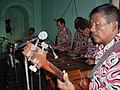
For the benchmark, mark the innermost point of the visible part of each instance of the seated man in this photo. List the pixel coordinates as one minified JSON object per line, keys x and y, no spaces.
{"x":63,"y":38}
{"x":29,"y":36}
{"x":79,"y":42}
{"x":83,"y":43}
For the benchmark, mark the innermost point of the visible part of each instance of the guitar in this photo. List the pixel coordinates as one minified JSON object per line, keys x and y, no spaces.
{"x":40,"y":61}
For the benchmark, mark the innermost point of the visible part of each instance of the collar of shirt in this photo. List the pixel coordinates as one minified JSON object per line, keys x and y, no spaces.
{"x":114,"y":40}
{"x":63,"y":30}
{"x":102,"y":49}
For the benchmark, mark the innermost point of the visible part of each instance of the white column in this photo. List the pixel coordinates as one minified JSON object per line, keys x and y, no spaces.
{"x":116,"y":3}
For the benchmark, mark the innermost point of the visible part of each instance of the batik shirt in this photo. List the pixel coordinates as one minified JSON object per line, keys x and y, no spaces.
{"x":91,"y":48}
{"x":64,"y":40}
{"x":107,"y":76}
{"x":79,"y":43}
{"x":83,"y":45}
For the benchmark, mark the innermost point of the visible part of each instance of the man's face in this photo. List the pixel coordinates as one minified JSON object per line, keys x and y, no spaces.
{"x":85,"y":32}
{"x":101,"y":30}
{"x":31,"y":31}
{"x":60,"y":26}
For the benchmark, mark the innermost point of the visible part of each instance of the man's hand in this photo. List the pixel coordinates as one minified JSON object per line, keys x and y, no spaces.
{"x":67,"y":85}
{"x":90,"y":61}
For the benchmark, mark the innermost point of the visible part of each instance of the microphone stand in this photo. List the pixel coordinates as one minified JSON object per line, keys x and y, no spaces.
{"x":26,"y":71}
{"x":31,"y":78}
{"x":39,"y":80}
{"x":15,"y":67}
{"x":11,"y":56}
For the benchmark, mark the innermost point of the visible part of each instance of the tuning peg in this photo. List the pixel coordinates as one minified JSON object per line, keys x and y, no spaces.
{"x":33,"y":68}
{"x":56,"y":57}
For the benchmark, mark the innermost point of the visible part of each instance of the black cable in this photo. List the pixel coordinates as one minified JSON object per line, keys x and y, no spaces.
{"x":66,"y":8}
{"x":75,"y":8}
{"x":51,"y":41}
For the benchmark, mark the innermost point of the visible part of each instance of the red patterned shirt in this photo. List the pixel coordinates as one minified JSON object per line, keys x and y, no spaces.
{"x":64,"y":40}
{"x":91,"y":48}
{"x":83,"y":45}
{"x":79,"y":43}
{"x":107,"y":76}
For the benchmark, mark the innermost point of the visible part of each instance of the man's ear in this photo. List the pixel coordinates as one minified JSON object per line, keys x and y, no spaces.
{"x":115,"y":25}
{"x":62,"y":24}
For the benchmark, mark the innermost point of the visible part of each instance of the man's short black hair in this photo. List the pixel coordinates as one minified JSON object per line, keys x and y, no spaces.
{"x":76,"y":24}
{"x":109,"y":12}
{"x":82,"y":23}
{"x":62,"y":21}
{"x":32,"y":28}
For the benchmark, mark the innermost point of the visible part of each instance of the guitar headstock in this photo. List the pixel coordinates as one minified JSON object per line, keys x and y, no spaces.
{"x":34,"y":56}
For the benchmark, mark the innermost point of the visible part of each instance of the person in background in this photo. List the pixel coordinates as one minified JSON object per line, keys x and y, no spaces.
{"x":30,"y":35}
{"x":83,"y":44}
{"x":105,"y":20}
{"x":89,"y":44}
{"x":79,"y":42}
{"x":63,"y":38}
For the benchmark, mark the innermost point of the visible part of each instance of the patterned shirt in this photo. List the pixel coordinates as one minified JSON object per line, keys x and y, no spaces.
{"x":79,"y":43}
{"x":83,"y":45}
{"x":107,"y":76}
{"x":91,"y":48}
{"x":64,"y":40}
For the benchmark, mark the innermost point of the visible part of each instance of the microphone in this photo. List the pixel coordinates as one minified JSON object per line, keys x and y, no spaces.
{"x":42,"y":36}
